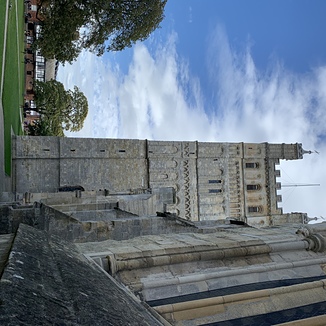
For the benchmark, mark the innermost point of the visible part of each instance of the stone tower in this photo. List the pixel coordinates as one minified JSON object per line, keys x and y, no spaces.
{"x":156,"y":233}
{"x":210,"y":181}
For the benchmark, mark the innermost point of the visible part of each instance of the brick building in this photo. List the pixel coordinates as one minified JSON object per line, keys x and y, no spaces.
{"x":36,"y":66}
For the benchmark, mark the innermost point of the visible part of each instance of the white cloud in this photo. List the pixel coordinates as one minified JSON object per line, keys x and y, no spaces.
{"x":275,"y":106}
{"x":154,"y":101}
{"x":99,"y":81}
{"x":158,"y":98}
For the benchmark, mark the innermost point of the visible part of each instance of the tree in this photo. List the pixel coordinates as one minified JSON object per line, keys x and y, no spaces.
{"x":45,"y":127}
{"x":110,"y":25}
{"x":59,"y":34}
{"x":60,"y":109}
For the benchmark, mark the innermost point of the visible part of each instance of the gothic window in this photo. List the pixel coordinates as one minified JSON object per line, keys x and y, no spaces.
{"x":255,"y":209}
{"x":253,"y":187}
{"x":214,"y":181}
{"x":252,"y":165}
{"x":214,"y":191}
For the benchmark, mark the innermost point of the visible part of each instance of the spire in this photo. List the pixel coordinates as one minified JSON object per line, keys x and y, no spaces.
{"x":309,"y":152}
{"x":306,"y":152}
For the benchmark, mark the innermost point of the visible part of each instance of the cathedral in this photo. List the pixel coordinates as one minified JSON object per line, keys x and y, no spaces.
{"x":139,"y":232}
{"x":209,"y":181}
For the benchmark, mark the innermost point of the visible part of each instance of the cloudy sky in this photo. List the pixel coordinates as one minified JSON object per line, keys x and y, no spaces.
{"x":227,"y":70}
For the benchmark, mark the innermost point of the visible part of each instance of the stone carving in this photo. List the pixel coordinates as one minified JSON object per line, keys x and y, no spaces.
{"x":317,"y":242}
{"x":186,"y":179}
{"x":186,"y":150}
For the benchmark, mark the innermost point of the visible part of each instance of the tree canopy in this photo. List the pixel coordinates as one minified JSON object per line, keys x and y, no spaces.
{"x":60,"y":109}
{"x":45,"y":127}
{"x":68,"y":26}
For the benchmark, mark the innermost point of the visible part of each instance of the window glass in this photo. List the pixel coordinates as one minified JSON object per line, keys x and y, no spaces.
{"x":253,"y":187}
{"x":214,"y":181}
{"x":252,"y":165}
{"x":214,"y":191}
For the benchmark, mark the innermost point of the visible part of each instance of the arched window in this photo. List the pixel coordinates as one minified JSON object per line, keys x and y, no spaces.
{"x":252,"y":165}
{"x":214,"y":181}
{"x":253,"y":187}
{"x":255,"y":209}
{"x":214,"y":191}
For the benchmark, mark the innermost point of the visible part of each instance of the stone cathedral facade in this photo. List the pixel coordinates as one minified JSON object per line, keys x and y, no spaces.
{"x":138,"y":232}
{"x":209,"y":181}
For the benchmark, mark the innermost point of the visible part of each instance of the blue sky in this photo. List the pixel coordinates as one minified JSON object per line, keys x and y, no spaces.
{"x":228,"y":70}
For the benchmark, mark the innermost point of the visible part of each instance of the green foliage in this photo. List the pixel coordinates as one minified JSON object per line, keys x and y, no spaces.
{"x":45,"y":127}
{"x":60,"y":109}
{"x":58,"y":38}
{"x":108,"y":25}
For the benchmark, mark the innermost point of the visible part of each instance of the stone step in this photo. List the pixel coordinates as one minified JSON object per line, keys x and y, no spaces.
{"x":5,"y":246}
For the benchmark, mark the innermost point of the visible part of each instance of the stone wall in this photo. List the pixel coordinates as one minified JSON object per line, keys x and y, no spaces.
{"x":118,"y":225}
{"x":212,"y":181}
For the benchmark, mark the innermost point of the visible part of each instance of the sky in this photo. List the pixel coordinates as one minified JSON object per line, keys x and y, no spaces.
{"x":225,"y":71}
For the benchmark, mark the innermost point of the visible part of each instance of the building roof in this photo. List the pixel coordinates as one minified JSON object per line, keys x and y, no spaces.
{"x":48,"y":282}
{"x":227,"y":273}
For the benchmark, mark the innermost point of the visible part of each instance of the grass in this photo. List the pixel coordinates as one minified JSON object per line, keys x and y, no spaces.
{"x":2,"y":29}
{"x":13,"y":86}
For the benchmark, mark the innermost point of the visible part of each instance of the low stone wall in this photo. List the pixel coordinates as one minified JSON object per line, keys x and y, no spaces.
{"x":12,"y":215}
{"x":123,"y":227}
